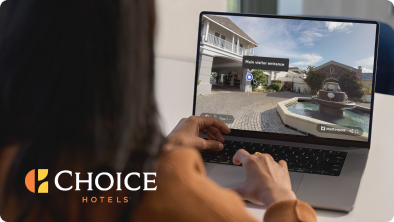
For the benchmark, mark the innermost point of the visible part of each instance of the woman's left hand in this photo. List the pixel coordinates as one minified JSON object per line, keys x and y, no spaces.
{"x":186,"y":133}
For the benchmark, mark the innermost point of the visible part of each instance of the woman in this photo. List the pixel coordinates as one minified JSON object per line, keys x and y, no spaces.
{"x":76,"y":93}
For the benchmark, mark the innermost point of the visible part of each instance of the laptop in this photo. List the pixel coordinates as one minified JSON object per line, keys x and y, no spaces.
{"x":298,"y":88}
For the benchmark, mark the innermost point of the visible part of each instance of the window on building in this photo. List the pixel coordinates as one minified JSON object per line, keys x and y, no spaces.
{"x":332,"y":70}
{"x":217,"y":34}
{"x":223,"y":37}
{"x":240,"y":45}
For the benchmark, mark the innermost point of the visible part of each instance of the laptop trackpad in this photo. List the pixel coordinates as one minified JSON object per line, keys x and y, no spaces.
{"x":234,"y":176}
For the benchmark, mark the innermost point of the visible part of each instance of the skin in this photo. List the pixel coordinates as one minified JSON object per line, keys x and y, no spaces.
{"x":266,"y":182}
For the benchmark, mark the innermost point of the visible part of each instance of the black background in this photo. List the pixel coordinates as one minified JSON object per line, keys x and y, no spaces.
{"x":284,"y":68}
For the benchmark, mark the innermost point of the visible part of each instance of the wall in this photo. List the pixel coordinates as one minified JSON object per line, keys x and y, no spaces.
{"x":289,"y":7}
{"x":302,"y":86}
{"x":380,"y":10}
{"x":175,"y":49}
{"x":259,"y":6}
{"x":296,"y":75}
{"x":177,"y":26}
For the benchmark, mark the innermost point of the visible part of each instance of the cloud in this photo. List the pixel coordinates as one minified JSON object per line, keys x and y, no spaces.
{"x":309,"y":37}
{"x":366,"y":62}
{"x":338,"y":26}
{"x":307,"y":60}
{"x":284,"y":39}
{"x":365,"y":70}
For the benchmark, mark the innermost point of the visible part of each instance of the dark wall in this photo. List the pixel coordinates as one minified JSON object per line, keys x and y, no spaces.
{"x":259,"y":6}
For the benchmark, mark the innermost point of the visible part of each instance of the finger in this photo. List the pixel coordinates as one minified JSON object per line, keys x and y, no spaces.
{"x":205,"y":122}
{"x":282,"y":163}
{"x":216,"y":133}
{"x":240,"y":156}
{"x":209,"y":145}
{"x":207,"y":134}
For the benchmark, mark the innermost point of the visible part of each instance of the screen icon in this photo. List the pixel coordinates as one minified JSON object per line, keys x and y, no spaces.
{"x":249,"y":77}
{"x":323,"y":128}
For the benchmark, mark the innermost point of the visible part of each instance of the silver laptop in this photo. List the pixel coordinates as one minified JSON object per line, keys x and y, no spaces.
{"x":298,"y":88}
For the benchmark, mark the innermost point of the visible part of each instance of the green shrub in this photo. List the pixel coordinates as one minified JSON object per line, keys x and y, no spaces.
{"x":259,"y":76}
{"x":351,"y":84}
{"x":276,"y":86}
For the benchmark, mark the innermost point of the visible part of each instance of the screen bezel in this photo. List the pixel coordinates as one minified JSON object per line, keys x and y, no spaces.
{"x":289,"y":137}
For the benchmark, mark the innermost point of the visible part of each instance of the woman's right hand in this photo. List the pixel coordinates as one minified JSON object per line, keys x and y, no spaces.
{"x":266,"y":180}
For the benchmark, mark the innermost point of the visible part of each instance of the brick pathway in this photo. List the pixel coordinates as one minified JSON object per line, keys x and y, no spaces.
{"x":256,"y":111}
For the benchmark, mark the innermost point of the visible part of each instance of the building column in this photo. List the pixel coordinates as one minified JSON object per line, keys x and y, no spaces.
{"x":206,"y":31}
{"x":232,"y":47}
{"x":246,"y":86}
{"x":238,"y":45}
{"x":203,"y":31}
{"x":204,"y":74}
{"x":269,"y":78}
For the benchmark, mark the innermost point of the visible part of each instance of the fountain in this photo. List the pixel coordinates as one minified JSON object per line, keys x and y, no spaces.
{"x":329,"y":107}
{"x":331,"y":99}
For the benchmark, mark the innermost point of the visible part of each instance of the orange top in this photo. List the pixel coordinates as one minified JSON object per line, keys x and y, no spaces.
{"x":184,"y":193}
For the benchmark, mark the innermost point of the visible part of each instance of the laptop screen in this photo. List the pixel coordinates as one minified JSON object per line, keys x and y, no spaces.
{"x":303,"y":77}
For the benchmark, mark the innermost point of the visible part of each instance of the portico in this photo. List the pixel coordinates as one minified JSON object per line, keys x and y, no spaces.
{"x":222,"y":47}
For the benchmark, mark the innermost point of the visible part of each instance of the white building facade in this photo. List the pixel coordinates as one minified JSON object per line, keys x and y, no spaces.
{"x":222,"y":47}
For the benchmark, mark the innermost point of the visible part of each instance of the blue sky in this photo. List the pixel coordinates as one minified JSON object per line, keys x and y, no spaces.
{"x":312,"y":43}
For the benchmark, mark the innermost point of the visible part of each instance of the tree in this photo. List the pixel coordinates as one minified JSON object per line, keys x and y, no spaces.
{"x":351,"y":84}
{"x":314,"y":80}
{"x":259,"y":76}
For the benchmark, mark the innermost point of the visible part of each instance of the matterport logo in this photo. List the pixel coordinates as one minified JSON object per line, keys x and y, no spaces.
{"x":121,"y":183}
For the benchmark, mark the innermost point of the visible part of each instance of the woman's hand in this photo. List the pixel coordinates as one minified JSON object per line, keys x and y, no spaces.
{"x":187,"y":131}
{"x":266,"y":181}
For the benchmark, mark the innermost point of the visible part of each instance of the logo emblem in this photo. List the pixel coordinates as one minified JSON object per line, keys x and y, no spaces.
{"x":30,"y":181}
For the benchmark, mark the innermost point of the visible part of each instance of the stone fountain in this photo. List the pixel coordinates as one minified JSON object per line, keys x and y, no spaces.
{"x":331,"y":99}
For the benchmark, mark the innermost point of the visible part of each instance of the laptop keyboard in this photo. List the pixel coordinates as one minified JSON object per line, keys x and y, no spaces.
{"x":302,"y":160}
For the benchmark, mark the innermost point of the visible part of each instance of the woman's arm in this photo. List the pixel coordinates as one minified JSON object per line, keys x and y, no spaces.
{"x":185,"y":193}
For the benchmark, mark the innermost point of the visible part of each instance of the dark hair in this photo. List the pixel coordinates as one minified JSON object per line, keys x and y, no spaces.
{"x":76,"y":86}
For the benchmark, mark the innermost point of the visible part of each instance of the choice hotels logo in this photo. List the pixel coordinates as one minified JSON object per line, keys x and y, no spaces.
{"x":30,"y":181}
{"x":36,"y":182}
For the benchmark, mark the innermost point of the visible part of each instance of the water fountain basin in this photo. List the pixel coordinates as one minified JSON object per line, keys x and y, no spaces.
{"x":305,"y":123}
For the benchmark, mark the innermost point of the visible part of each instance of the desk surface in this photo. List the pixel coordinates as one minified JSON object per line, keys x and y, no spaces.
{"x":375,"y":199}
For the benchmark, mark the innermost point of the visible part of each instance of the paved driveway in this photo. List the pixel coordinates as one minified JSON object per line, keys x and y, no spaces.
{"x":256,"y":111}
